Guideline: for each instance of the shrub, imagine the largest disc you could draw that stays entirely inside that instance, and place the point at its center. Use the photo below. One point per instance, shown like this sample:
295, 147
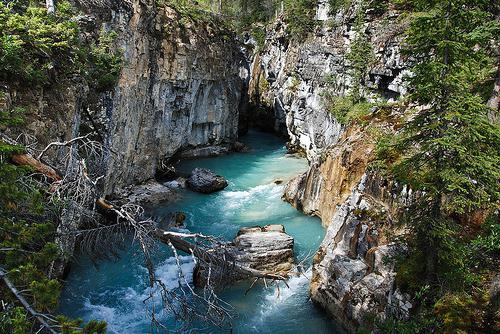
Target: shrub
106, 63
35, 46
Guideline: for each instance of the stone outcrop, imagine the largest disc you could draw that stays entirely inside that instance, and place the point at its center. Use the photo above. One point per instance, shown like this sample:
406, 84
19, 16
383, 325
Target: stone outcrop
205, 181
181, 89
329, 182
353, 271
290, 76
147, 194
353, 278
266, 248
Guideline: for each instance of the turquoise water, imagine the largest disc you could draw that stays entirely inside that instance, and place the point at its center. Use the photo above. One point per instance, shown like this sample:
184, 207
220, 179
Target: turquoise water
115, 290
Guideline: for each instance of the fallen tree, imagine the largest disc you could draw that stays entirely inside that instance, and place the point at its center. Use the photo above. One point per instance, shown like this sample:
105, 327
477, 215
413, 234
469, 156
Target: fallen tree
78, 188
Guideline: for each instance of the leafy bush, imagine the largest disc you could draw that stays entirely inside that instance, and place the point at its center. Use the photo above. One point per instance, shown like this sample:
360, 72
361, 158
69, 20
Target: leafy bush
39, 49
105, 62
345, 109
36, 46
299, 16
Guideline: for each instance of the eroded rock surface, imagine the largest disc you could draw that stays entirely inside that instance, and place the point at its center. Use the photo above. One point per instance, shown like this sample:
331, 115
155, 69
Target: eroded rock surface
148, 194
290, 76
267, 248
353, 273
205, 181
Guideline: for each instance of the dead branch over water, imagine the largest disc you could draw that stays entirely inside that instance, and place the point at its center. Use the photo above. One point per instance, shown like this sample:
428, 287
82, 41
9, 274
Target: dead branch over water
77, 189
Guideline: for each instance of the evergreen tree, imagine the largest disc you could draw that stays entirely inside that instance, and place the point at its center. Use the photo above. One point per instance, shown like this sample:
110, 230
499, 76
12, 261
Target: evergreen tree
449, 150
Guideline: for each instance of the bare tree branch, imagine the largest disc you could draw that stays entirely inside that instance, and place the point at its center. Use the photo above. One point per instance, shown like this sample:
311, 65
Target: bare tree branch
38, 316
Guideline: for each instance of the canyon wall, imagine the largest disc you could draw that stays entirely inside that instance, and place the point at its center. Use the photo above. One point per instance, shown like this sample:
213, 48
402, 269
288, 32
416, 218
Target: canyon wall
182, 87
353, 277
291, 74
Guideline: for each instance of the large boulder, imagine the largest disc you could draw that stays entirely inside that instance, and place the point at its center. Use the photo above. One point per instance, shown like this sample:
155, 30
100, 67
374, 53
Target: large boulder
205, 181
266, 248
148, 194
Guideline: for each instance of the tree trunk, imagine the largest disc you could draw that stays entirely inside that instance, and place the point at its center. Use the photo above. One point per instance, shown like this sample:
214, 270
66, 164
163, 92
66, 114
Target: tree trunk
49, 4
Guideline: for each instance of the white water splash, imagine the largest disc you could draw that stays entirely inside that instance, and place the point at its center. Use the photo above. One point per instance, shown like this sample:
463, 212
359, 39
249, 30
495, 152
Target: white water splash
131, 316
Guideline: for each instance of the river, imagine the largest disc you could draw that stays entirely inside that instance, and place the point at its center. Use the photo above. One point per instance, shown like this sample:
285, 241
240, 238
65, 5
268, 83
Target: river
114, 290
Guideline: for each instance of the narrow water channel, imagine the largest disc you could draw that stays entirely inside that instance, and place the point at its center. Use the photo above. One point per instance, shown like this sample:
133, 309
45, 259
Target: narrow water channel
115, 290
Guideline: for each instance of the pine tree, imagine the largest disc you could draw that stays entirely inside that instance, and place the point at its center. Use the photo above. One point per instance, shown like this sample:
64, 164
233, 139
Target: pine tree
449, 150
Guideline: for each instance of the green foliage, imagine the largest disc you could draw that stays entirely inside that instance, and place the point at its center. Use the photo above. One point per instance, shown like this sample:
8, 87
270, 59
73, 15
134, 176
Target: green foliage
299, 16
106, 62
27, 248
39, 49
488, 243
456, 311
74, 326
14, 321
449, 152
360, 56
345, 109
259, 34
336, 5
35, 46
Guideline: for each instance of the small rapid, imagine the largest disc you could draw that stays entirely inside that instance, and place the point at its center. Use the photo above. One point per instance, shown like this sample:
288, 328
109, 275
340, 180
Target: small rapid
117, 291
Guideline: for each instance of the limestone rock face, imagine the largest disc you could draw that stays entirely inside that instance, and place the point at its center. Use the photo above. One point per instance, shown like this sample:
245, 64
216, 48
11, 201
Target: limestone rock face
266, 248
328, 183
205, 181
353, 274
147, 194
180, 89
290, 76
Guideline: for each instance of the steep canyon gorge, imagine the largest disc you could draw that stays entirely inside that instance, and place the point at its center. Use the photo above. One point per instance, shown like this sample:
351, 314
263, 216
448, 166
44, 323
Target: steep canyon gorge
189, 88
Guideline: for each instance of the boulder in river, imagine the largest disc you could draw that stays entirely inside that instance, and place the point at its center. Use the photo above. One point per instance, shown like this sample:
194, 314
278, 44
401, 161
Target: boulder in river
148, 194
205, 181
267, 248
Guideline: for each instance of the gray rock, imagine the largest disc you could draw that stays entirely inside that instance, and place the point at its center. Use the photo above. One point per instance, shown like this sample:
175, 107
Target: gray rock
297, 73
148, 194
267, 248
209, 151
205, 181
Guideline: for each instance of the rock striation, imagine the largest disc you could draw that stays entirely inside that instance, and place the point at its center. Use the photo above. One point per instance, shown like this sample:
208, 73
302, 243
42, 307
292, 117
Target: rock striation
267, 248
290, 75
180, 89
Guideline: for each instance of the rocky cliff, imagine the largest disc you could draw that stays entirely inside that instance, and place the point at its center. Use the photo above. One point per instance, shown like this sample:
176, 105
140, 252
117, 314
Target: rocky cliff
353, 278
181, 87
291, 74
